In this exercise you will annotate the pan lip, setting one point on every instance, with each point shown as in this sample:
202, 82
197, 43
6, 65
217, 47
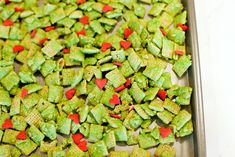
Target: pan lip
195, 81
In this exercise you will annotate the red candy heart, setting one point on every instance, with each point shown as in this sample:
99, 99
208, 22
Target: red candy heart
8, 22
114, 100
70, 93
18, 9
18, 48
115, 116
163, 31
81, 32
42, 41
105, 46
81, 1
128, 83
65, 50
75, 118
117, 63
7, 1
22, 135
178, 52
162, 94
84, 20
49, 28
7, 124
101, 82
107, 8
165, 132
82, 145
183, 27
127, 32
125, 44
120, 88
33, 33
77, 138
24, 93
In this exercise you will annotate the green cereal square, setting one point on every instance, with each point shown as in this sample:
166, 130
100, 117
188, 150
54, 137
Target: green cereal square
110, 140
49, 130
120, 153
126, 69
98, 149
53, 79
166, 19
5, 151
165, 116
182, 65
5, 98
33, 118
63, 125
136, 93
139, 152
31, 100
26, 146
19, 123
10, 136
96, 133
167, 48
171, 106
52, 48
119, 55
57, 15
36, 61
120, 133
181, 119
68, 76
116, 78
4, 32
153, 72
134, 61
10, 81
156, 105
74, 151
35, 134
146, 141
55, 93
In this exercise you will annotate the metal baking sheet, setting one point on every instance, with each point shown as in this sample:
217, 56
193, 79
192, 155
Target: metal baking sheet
193, 145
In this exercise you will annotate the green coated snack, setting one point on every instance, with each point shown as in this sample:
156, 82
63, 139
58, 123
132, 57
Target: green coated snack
88, 78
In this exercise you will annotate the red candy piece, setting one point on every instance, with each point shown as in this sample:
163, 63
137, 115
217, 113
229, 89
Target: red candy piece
125, 44
165, 132
107, 8
65, 50
162, 94
84, 20
114, 100
75, 118
101, 82
70, 93
24, 93
128, 83
7, 1
77, 138
117, 63
163, 31
120, 88
33, 33
22, 135
41, 42
116, 116
82, 32
8, 22
178, 52
81, 1
183, 27
127, 32
7, 124
131, 108
18, 48
105, 46
82, 145
18, 9
49, 28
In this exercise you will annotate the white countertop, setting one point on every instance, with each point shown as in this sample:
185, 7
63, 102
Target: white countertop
216, 30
